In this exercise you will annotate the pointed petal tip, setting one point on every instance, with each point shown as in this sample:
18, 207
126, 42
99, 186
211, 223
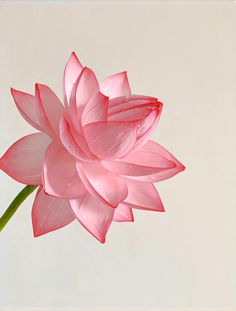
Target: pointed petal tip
159, 105
73, 54
39, 86
36, 88
182, 167
2, 166
12, 90
132, 217
37, 234
159, 209
124, 72
130, 220
101, 239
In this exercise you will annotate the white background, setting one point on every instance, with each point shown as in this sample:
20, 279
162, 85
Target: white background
183, 53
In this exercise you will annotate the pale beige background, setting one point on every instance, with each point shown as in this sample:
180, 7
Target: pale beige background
183, 53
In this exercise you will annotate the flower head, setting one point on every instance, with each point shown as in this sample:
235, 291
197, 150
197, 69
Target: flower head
91, 157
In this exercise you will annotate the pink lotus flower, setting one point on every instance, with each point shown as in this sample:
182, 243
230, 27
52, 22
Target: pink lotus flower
91, 158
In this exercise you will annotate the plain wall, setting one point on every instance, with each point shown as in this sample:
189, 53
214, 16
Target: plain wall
183, 53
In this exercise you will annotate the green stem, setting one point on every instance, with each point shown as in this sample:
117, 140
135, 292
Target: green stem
15, 204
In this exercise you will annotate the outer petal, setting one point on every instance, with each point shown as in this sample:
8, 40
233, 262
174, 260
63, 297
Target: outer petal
52, 108
28, 107
140, 164
60, 177
50, 213
42, 111
151, 163
110, 140
94, 215
143, 196
158, 150
23, 160
71, 73
116, 85
123, 213
95, 110
102, 184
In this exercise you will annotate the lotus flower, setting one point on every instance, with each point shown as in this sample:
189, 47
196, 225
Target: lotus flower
91, 157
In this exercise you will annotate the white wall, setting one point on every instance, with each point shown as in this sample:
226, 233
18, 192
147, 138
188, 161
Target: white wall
184, 53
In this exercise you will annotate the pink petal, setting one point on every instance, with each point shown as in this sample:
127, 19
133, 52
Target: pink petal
73, 141
60, 177
95, 110
116, 85
50, 213
158, 150
151, 163
71, 73
123, 213
110, 140
87, 87
104, 185
28, 107
42, 111
143, 196
147, 127
131, 108
23, 160
144, 111
146, 124
131, 114
140, 164
95, 216
52, 108
71, 111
